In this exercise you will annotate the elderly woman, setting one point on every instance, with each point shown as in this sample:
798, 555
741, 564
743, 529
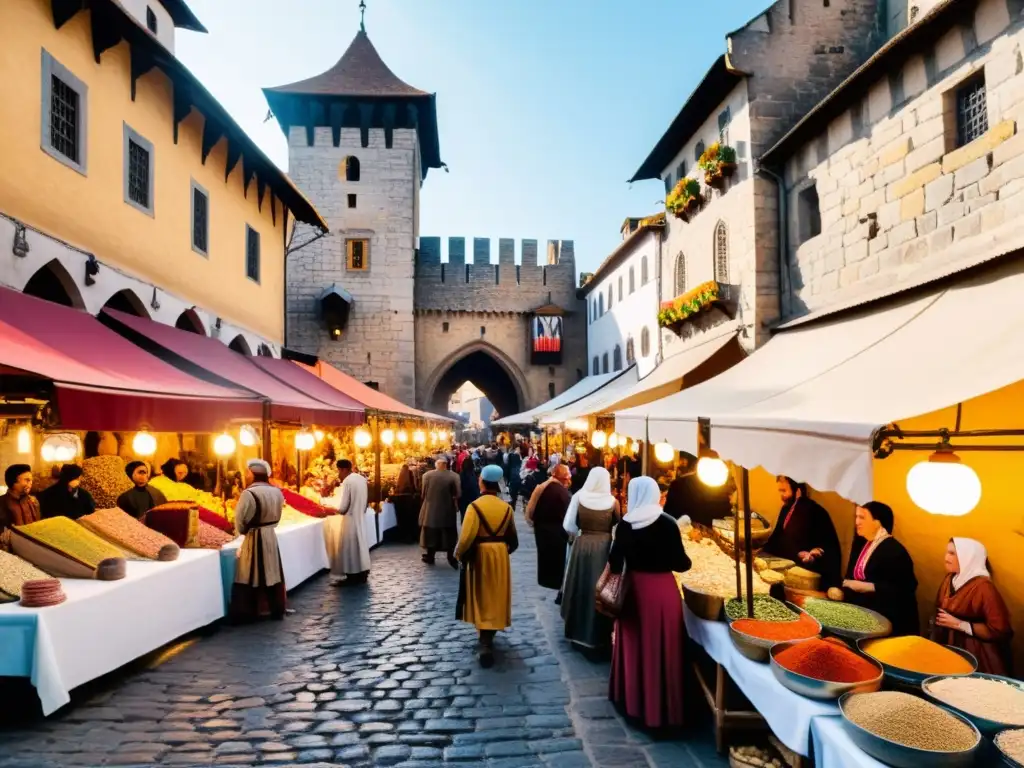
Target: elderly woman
970, 612
259, 575
880, 574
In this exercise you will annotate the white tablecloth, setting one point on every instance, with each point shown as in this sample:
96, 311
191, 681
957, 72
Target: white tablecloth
388, 517
106, 624
303, 553
787, 714
833, 748
370, 521
332, 532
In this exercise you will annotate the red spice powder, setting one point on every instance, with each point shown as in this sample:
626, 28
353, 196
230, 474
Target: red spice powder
800, 629
827, 660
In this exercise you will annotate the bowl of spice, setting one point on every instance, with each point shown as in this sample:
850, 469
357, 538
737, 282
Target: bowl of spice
906, 731
1011, 746
754, 637
911, 660
824, 669
765, 608
993, 703
847, 620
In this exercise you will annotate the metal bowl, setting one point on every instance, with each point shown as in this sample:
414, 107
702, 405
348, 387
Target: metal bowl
703, 605
885, 627
900, 755
987, 727
1006, 758
913, 679
757, 648
813, 688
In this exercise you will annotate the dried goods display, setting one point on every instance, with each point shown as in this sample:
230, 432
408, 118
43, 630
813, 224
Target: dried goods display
178, 520
42, 593
828, 660
291, 516
712, 571
918, 654
801, 578
123, 530
804, 627
173, 491
62, 547
765, 608
210, 537
1012, 744
104, 478
217, 521
755, 757
304, 505
910, 721
991, 699
841, 615
14, 572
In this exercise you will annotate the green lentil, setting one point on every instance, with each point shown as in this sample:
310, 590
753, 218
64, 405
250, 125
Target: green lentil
841, 615
765, 609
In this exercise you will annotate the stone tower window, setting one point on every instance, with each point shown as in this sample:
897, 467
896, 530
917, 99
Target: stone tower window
808, 213
645, 342
632, 280
351, 201
971, 110
620, 287
604, 363
611, 297
600, 305
680, 274
630, 351
357, 255
721, 253
444, 327
350, 167
597, 365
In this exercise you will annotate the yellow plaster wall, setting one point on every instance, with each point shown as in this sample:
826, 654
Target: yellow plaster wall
90, 212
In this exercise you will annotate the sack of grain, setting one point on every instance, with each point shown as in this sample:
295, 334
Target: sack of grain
104, 478
801, 578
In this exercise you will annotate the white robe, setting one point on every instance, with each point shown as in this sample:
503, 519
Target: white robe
352, 553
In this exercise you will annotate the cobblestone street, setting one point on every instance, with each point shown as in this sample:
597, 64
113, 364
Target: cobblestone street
379, 676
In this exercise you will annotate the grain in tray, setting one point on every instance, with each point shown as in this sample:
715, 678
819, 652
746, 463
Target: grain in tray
14, 572
981, 697
123, 530
910, 721
1012, 744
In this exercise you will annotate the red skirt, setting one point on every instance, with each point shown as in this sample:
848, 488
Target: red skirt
647, 655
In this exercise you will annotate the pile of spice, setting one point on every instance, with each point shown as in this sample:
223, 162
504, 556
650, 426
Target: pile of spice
982, 697
841, 615
828, 660
765, 608
910, 721
801, 629
917, 654
1012, 744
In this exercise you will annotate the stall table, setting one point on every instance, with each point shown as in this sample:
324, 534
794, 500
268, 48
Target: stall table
104, 625
833, 747
388, 519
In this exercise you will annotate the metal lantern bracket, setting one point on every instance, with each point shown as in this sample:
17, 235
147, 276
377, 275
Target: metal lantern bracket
889, 439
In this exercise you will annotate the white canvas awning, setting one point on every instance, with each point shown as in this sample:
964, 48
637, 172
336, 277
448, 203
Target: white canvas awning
808, 402
581, 388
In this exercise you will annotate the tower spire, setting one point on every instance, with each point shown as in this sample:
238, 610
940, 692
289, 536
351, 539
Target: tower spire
362, 15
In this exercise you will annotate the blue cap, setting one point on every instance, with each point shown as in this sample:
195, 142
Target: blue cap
492, 473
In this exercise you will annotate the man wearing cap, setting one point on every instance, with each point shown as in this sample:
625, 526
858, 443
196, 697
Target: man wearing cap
350, 560
439, 512
143, 497
259, 575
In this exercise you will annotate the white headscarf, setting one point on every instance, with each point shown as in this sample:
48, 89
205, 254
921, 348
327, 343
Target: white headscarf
644, 502
596, 494
972, 556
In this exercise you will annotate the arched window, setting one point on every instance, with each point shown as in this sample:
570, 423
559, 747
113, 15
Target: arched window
620, 287
680, 273
698, 151
611, 296
351, 168
617, 358
597, 365
604, 363
645, 342
721, 253
632, 280
630, 351
643, 271
600, 305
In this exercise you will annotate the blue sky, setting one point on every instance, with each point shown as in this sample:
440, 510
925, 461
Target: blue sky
546, 107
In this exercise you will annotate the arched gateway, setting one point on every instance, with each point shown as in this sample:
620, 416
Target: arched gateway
491, 370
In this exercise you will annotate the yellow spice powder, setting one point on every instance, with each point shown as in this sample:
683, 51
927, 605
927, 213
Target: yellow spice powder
918, 654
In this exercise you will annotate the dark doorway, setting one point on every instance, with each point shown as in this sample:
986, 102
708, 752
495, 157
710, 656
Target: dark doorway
240, 345
52, 282
126, 301
189, 321
487, 374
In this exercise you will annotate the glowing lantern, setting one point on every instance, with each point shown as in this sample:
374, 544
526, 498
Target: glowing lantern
362, 438
711, 470
319, 435
143, 444
943, 485
305, 440
248, 436
224, 445
664, 453
387, 437
403, 437
419, 437
24, 440
59, 449
598, 439
613, 440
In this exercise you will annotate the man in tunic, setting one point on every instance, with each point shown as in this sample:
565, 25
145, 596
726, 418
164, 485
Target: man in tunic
259, 576
350, 562
804, 533
18, 506
143, 497
439, 513
546, 513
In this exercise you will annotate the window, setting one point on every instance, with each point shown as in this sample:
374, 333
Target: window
645, 342
483, 331
808, 213
351, 201
551, 389
680, 274
358, 255
600, 305
617, 358
597, 365
444, 327
138, 171
150, 20
620, 287
632, 280
724, 118
604, 363
668, 184
64, 112
643, 271
698, 151
611, 296
680, 170
200, 220
630, 351
971, 110
252, 253
351, 165
722, 253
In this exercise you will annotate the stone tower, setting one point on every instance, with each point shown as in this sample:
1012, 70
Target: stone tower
360, 143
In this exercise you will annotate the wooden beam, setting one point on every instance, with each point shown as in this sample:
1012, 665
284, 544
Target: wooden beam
141, 63
234, 155
106, 32
65, 10
213, 132
182, 107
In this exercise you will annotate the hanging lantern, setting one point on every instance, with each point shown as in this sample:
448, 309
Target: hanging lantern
305, 440
442, 435
711, 470
362, 438
387, 437
403, 437
59, 449
143, 444
248, 436
634, 447
664, 453
224, 445
24, 440
419, 437
614, 440
318, 434
943, 485
598, 439
577, 425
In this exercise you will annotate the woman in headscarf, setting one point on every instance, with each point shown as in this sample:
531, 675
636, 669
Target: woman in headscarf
880, 573
647, 654
593, 513
65, 498
545, 513
970, 612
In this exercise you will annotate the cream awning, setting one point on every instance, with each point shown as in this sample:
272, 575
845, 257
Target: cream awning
580, 389
808, 402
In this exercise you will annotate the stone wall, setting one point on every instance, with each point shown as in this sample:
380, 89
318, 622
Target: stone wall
896, 197
379, 341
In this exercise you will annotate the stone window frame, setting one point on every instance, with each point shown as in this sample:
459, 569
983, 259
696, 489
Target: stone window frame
617, 358
644, 271
597, 365
131, 136
799, 192
630, 351
604, 363
679, 274
52, 68
621, 292
698, 150
349, 241
645, 341
194, 188
951, 110
721, 251
353, 169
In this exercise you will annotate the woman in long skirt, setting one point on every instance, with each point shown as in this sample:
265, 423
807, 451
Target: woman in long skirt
592, 514
647, 654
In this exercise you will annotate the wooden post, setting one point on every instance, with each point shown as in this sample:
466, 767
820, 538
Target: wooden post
376, 459
645, 454
748, 547
265, 434
736, 552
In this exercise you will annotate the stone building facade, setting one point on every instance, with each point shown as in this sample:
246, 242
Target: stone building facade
914, 168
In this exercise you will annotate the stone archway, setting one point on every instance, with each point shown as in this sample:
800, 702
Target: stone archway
240, 345
128, 302
52, 282
189, 321
487, 367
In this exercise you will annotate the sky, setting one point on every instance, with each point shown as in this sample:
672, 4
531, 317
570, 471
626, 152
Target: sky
545, 107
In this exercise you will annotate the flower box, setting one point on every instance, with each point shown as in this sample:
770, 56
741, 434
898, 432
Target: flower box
684, 200
688, 304
718, 163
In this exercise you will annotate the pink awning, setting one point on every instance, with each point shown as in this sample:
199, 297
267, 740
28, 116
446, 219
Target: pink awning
368, 396
213, 361
105, 382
